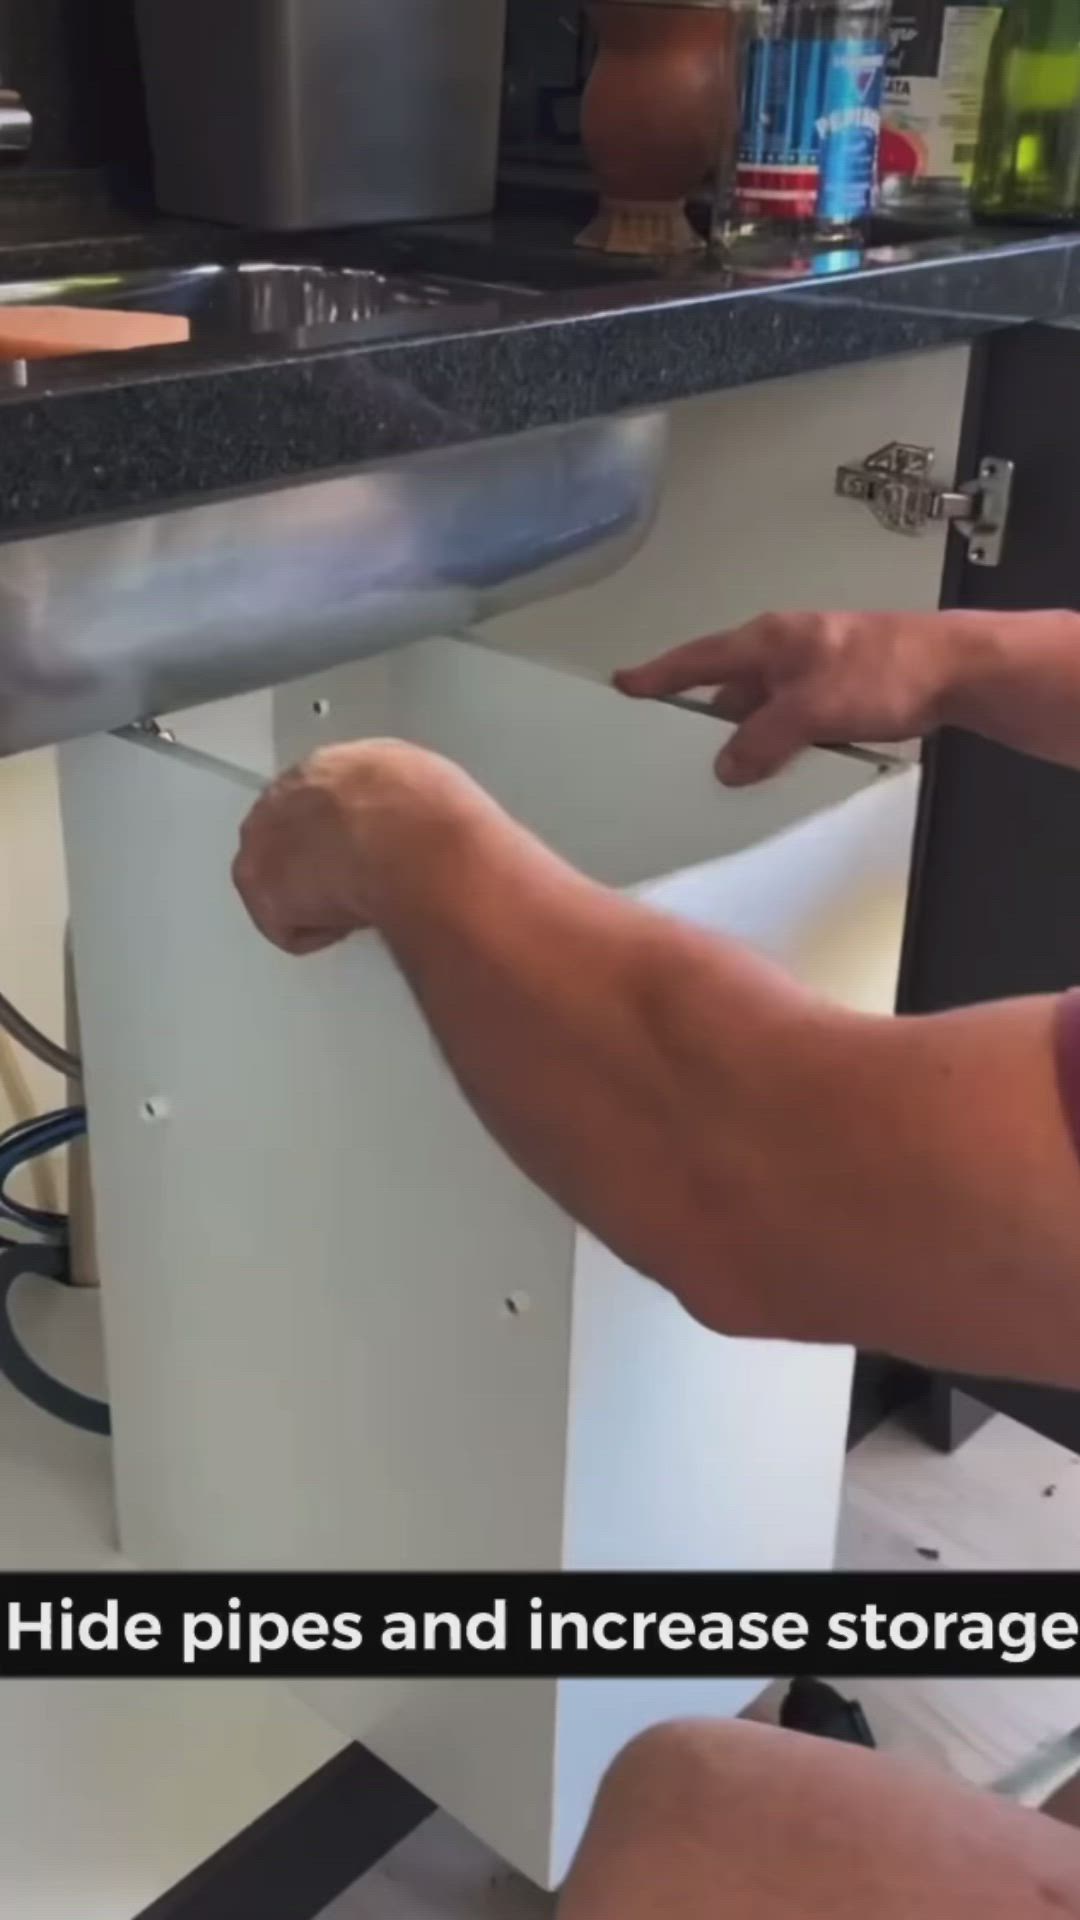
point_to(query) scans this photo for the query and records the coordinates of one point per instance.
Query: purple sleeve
(1068, 1062)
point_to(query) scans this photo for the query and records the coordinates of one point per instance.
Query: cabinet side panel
(307, 1239)
(689, 1451)
(306, 1245)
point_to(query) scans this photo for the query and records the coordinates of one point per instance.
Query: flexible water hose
(49, 1052)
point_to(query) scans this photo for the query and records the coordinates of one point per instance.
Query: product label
(848, 130)
(779, 145)
(934, 81)
(811, 121)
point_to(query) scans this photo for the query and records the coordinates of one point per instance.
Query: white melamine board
(306, 1259)
(623, 789)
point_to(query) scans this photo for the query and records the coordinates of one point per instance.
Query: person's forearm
(787, 1169)
(1016, 679)
(553, 1000)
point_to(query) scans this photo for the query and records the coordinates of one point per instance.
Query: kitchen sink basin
(256, 298)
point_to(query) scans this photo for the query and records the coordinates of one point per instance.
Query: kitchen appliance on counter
(294, 114)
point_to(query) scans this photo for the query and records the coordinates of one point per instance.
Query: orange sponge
(49, 333)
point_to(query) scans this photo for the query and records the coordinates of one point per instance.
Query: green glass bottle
(1027, 166)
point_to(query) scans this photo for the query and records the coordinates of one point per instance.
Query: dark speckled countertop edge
(167, 430)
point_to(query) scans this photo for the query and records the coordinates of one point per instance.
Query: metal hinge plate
(897, 484)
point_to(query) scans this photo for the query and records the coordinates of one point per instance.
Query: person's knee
(678, 1764)
(685, 1801)
(663, 1808)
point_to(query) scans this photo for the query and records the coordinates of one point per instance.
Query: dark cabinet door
(995, 898)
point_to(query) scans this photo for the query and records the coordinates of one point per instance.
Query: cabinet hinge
(897, 484)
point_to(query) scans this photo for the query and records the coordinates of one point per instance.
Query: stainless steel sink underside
(115, 621)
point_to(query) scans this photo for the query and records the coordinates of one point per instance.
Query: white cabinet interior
(306, 1240)
(749, 521)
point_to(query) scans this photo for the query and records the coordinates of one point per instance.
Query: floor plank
(1007, 1498)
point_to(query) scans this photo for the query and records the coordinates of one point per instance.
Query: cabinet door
(995, 901)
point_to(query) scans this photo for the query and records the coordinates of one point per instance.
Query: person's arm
(787, 1169)
(789, 680)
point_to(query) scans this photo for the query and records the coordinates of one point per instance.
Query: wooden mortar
(659, 105)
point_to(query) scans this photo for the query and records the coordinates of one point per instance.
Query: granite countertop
(558, 336)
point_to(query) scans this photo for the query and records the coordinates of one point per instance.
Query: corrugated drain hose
(51, 1258)
(77, 1409)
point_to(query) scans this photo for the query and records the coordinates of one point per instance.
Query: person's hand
(792, 680)
(328, 845)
